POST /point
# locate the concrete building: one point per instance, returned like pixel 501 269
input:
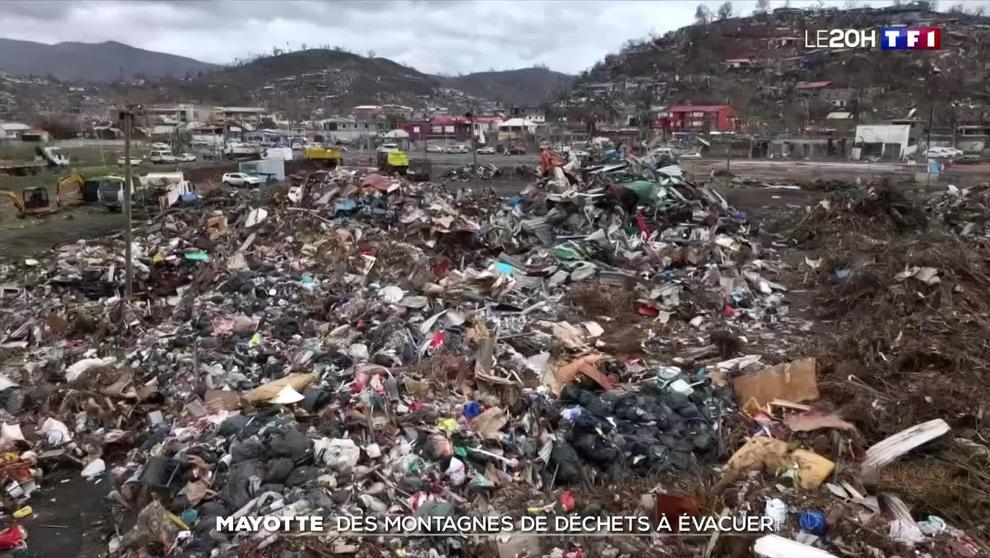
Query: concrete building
pixel 516 129
pixel 601 87
pixel 13 130
pixel 367 111
pixel 400 112
pixel 161 131
pixel 449 127
pixel 181 112
pixel 486 125
pixel 345 129
pixel 839 98
pixel 35 135
pixel 888 141
pixel 972 138
pixel 535 115
pixel 417 129
pixel 239 114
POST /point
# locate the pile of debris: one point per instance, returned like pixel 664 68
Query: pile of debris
pixel 489 171
pixel 351 343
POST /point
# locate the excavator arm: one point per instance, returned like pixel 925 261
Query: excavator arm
pixel 69 190
pixel 14 198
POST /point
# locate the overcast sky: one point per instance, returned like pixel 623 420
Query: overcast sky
pixel 437 36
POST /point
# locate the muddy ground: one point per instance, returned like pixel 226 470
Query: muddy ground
pixel 34 234
pixel 71 517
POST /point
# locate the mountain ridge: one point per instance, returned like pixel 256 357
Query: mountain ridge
pixel 349 78
pixel 94 62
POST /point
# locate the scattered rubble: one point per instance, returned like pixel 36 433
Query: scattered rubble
pixel 613 338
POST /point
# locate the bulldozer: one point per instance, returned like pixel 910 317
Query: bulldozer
pixel 392 160
pixel 329 156
pixel 35 201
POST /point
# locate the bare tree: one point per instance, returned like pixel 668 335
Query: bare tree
pixel 725 11
pixel 957 9
pixel 371 53
pixel 762 6
pixel 978 10
pixel 702 15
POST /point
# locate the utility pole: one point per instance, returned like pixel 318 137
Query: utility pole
pixel 728 157
pixel 474 141
pixel 426 141
pixel 128 117
pixel 931 120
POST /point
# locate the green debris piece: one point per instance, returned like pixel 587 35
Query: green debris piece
pixel 569 252
pixel 645 190
pixel 198 256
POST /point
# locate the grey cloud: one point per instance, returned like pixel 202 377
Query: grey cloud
pixel 452 36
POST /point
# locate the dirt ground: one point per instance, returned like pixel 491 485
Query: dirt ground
pixel 71 517
pixel 21 238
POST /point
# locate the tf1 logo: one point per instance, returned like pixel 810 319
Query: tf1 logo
pixel 911 38
pixel 888 38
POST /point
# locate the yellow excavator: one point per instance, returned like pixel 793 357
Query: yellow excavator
pixel 35 201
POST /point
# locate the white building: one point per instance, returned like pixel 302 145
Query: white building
pixel 515 129
pixel 888 141
pixel 350 129
pixel 181 112
pixel 12 130
pixel 240 114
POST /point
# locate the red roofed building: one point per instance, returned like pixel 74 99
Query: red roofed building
pixel 697 118
pixel 450 127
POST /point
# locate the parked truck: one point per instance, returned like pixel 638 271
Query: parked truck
pixel 45 157
pixel 283 153
pixel 272 170
pixel 146 190
pixel 242 151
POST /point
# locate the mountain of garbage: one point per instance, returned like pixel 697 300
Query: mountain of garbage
pixel 616 339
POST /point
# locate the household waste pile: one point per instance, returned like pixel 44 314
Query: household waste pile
pixel 350 343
